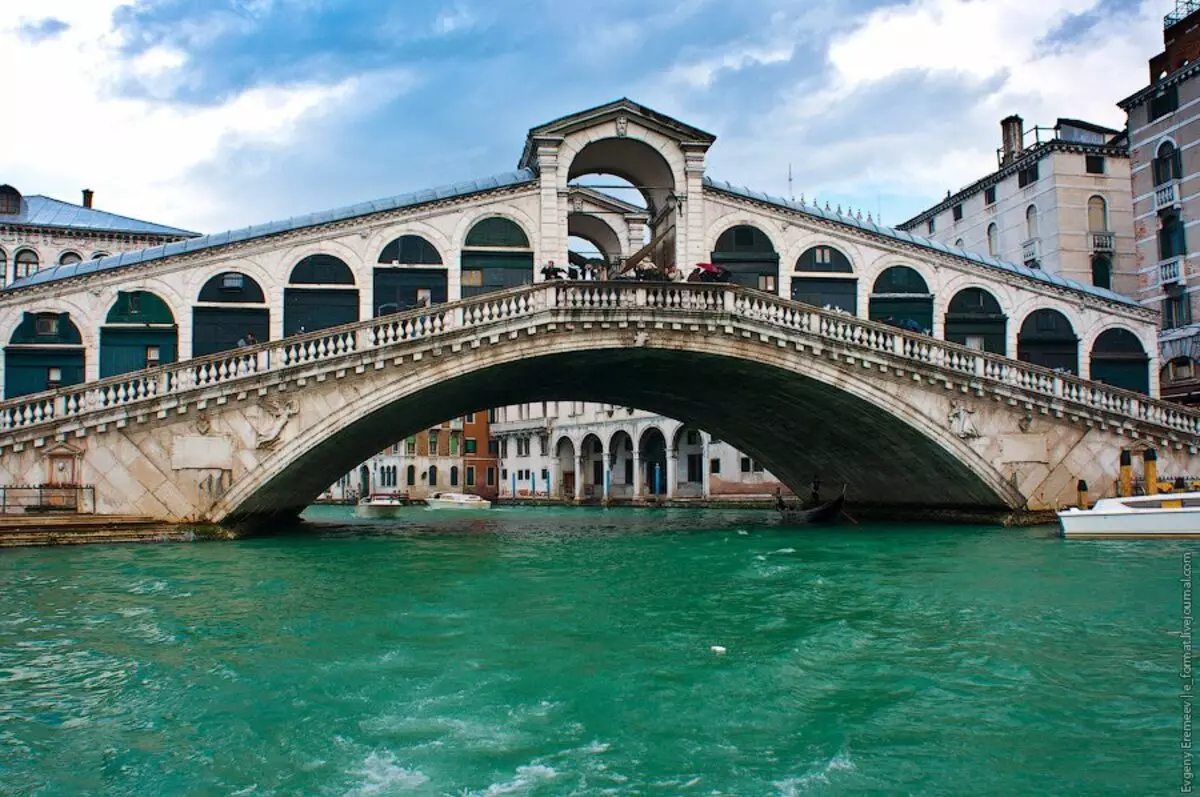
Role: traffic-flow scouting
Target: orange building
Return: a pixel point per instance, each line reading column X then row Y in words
column 480, row 465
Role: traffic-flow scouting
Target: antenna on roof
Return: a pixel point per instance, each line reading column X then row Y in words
column 791, row 193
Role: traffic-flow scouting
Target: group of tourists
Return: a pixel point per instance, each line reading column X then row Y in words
column 586, row 272
column 644, row 271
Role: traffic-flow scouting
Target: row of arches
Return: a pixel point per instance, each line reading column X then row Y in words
column 620, row 467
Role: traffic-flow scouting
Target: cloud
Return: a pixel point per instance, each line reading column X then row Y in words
column 142, row 152
column 456, row 18
column 41, row 30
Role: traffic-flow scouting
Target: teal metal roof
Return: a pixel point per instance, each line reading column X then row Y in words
column 42, row 211
column 508, row 179
column 908, row 238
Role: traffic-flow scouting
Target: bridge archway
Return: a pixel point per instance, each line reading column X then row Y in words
column 139, row 332
column 229, row 306
column 409, row 273
column 976, row 320
column 321, row 293
column 819, row 279
column 599, row 233
column 1118, row 359
column 750, row 256
column 44, row 352
column 1048, row 339
column 496, row 255
column 902, row 298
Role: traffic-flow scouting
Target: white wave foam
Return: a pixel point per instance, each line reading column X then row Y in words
column 381, row 774
column 525, row 778
column 786, row 550
column 801, row 785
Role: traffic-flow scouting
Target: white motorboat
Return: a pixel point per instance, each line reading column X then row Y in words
column 1137, row 517
column 379, row 505
column 457, row 501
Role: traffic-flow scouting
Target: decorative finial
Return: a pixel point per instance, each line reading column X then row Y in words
column 839, row 210
column 859, row 216
column 827, row 204
column 801, row 197
column 868, row 215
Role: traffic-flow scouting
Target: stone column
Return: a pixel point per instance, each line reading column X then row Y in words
column 673, row 473
column 555, row 478
column 607, row 477
column 705, row 491
column 579, row 463
column 552, row 221
column 637, row 473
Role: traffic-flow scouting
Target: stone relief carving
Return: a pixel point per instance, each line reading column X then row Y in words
column 622, row 126
column 1026, row 421
column 279, row 415
column 203, row 424
column 960, row 421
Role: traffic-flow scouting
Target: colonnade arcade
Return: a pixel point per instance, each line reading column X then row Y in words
column 631, row 462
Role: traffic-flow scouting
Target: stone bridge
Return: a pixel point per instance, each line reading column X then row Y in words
column 903, row 419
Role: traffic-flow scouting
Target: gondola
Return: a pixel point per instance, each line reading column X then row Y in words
column 821, row 513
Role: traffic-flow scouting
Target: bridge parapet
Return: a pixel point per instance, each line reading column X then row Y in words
column 734, row 309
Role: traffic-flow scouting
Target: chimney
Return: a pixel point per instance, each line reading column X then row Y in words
column 1012, row 134
column 87, row 197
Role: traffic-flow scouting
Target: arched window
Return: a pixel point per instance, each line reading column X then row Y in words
column 10, row 200
column 99, row 255
column 433, row 475
column 232, row 287
column 411, row 476
column 497, row 231
column 69, row 258
column 824, row 258
column 1171, row 237
column 453, row 475
column 321, row 270
column 26, row 263
column 1168, row 165
column 1031, row 222
column 1102, row 272
column 1097, row 214
column 993, row 235
column 410, row 250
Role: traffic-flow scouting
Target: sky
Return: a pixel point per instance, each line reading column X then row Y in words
column 219, row 114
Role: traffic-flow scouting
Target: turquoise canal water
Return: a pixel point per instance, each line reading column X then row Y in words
column 553, row 652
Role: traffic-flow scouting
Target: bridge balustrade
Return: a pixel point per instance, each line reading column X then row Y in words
column 477, row 314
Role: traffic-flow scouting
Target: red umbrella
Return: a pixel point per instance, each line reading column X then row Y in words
column 709, row 267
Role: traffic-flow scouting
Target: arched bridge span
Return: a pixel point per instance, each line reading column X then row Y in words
column 901, row 418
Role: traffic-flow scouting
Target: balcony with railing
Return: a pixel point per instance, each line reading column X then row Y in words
column 1166, row 196
column 1102, row 241
column 1170, row 271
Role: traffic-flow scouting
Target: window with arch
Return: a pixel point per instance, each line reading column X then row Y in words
column 321, row 270
column 1097, row 214
column 99, row 255
column 824, row 258
column 1168, row 164
column 25, row 263
column 10, row 200
column 1031, row 222
column 69, row 259
column 1171, row 236
column 453, row 475
column 433, row 475
column 411, row 475
column 410, row 250
column 499, row 232
column 993, row 239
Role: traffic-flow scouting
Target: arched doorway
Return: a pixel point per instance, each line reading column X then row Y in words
column 690, row 465
column 593, row 466
column 139, row 332
column 364, row 481
column 320, row 294
column 564, row 452
column 620, row 453
column 45, row 352
column 749, row 255
column 230, row 306
column 1048, row 339
column 653, row 446
column 975, row 320
column 1118, row 359
column 496, row 255
column 410, row 273
column 901, row 298
column 830, row 289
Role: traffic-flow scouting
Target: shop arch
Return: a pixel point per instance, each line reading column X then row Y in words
column 139, row 332
column 901, row 297
column 975, row 320
column 231, row 306
column 496, row 255
column 45, row 352
column 320, row 294
column 410, row 273
column 1118, row 359
column 750, row 256
column 1048, row 339
column 830, row 289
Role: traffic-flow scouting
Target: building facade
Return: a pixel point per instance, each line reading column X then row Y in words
column 442, row 458
column 1058, row 202
column 1164, row 134
column 576, row 450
